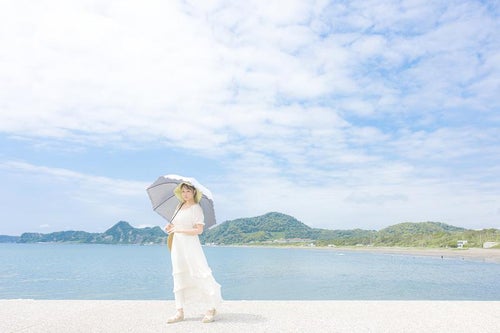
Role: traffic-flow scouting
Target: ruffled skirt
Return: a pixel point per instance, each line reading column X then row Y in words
column 193, row 279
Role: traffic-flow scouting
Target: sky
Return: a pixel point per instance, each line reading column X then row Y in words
column 342, row 114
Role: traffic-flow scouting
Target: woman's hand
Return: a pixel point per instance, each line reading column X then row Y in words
column 197, row 230
column 174, row 229
column 170, row 228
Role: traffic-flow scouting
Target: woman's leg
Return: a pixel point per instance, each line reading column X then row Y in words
column 179, row 299
column 179, row 305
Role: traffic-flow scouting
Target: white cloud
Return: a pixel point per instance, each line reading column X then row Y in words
column 63, row 198
column 369, row 102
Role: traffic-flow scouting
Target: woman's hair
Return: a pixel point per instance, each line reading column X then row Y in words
column 189, row 187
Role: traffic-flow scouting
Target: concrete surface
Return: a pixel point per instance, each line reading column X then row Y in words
column 251, row 316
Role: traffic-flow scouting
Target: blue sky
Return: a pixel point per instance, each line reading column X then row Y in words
column 342, row 114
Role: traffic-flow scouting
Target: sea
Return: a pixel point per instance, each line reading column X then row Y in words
column 133, row 272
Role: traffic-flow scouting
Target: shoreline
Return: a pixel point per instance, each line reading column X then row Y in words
column 474, row 254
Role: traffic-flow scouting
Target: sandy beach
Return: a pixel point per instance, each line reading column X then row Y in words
column 476, row 254
column 252, row 316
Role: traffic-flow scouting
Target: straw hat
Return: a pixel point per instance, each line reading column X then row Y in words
column 178, row 192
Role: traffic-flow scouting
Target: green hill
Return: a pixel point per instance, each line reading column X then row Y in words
column 281, row 229
column 121, row 233
column 276, row 228
column 124, row 233
column 345, row 237
column 58, row 237
column 415, row 234
column 263, row 228
column 9, row 239
column 419, row 228
column 430, row 234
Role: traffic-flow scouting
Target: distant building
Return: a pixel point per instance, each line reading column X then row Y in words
column 461, row 243
column 487, row 245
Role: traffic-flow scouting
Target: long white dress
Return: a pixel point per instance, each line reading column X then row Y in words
column 193, row 279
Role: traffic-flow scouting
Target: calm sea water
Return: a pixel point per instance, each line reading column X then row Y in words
column 63, row 271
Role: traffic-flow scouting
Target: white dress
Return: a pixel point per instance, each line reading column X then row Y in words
column 193, row 279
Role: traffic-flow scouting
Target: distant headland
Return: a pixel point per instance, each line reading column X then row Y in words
column 279, row 229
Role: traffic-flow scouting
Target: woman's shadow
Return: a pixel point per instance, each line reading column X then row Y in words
column 244, row 318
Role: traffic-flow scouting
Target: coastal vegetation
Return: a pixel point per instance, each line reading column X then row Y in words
column 8, row 239
column 121, row 233
column 279, row 229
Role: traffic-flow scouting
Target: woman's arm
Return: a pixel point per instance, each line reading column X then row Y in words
column 197, row 230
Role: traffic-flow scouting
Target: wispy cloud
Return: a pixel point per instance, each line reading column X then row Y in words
column 356, row 104
column 66, row 199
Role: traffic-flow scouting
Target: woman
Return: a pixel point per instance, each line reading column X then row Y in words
column 193, row 280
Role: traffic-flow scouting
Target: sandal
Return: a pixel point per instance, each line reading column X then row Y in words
column 209, row 316
column 179, row 316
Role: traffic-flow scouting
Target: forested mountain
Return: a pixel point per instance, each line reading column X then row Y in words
column 280, row 229
column 120, row 233
column 277, row 228
column 421, row 234
column 258, row 229
column 8, row 239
